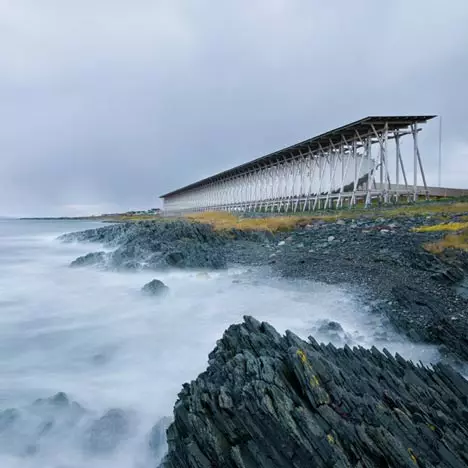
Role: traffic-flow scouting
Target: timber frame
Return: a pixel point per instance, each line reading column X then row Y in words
column 357, row 163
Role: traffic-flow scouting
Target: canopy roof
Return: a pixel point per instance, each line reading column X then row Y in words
column 349, row 132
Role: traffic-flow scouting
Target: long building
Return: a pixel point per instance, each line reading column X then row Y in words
column 357, row 162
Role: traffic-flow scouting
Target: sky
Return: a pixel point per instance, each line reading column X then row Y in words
column 105, row 105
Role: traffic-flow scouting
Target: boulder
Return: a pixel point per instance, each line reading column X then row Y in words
column 106, row 433
column 92, row 258
column 272, row 401
column 155, row 288
column 331, row 326
column 45, row 422
column 157, row 437
column 158, row 244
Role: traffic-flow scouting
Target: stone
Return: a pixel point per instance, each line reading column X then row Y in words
column 281, row 243
column 331, row 326
column 175, row 258
column 341, row 222
column 155, row 288
column 157, row 438
column 158, row 244
column 105, row 434
column 300, row 245
column 384, row 231
column 331, row 238
column 272, row 401
column 92, row 258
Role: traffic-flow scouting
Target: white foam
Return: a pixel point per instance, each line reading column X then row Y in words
column 91, row 334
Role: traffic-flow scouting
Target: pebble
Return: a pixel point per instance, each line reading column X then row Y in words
column 280, row 243
column 331, row 238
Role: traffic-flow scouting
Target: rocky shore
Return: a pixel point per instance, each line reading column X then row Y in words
column 380, row 256
column 272, row 401
column 268, row 401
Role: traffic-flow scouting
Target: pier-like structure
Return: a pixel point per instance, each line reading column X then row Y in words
column 357, row 163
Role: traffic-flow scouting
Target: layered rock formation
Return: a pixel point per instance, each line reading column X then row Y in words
column 270, row 401
column 154, row 245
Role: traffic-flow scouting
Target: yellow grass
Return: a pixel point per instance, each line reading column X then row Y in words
column 450, row 241
column 442, row 227
column 223, row 221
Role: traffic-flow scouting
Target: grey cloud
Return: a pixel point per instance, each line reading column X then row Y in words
column 105, row 105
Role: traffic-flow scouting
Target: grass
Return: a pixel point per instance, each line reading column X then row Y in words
column 224, row 221
column 442, row 227
column 457, row 240
column 427, row 209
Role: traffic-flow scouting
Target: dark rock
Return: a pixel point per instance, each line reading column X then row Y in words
column 92, row 258
column 330, row 326
column 157, row 438
column 423, row 316
column 159, row 244
column 108, row 432
column 268, row 401
column 175, row 259
column 23, row 431
column 8, row 418
column 155, row 288
column 60, row 399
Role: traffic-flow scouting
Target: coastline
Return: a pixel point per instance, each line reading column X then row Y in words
column 390, row 260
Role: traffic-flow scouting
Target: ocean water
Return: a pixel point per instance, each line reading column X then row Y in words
column 94, row 336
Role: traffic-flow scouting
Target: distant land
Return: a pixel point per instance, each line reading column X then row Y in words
column 109, row 217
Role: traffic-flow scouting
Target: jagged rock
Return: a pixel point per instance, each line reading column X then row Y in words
column 271, row 401
column 331, row 326
column 25, row 430
column 8, row 418
column 423, row 316
column 107, row 432
column 155, row 288
column 156, row 245
column 157, row 438
column 92, row 258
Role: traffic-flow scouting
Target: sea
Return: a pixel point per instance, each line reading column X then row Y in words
column 90, row 334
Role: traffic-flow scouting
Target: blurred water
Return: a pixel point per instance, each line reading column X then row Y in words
column 91, row 334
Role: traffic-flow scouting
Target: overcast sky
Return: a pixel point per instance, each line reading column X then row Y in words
column 106, row 104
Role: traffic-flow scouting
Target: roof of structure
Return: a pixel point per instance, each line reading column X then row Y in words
column 324, row 140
